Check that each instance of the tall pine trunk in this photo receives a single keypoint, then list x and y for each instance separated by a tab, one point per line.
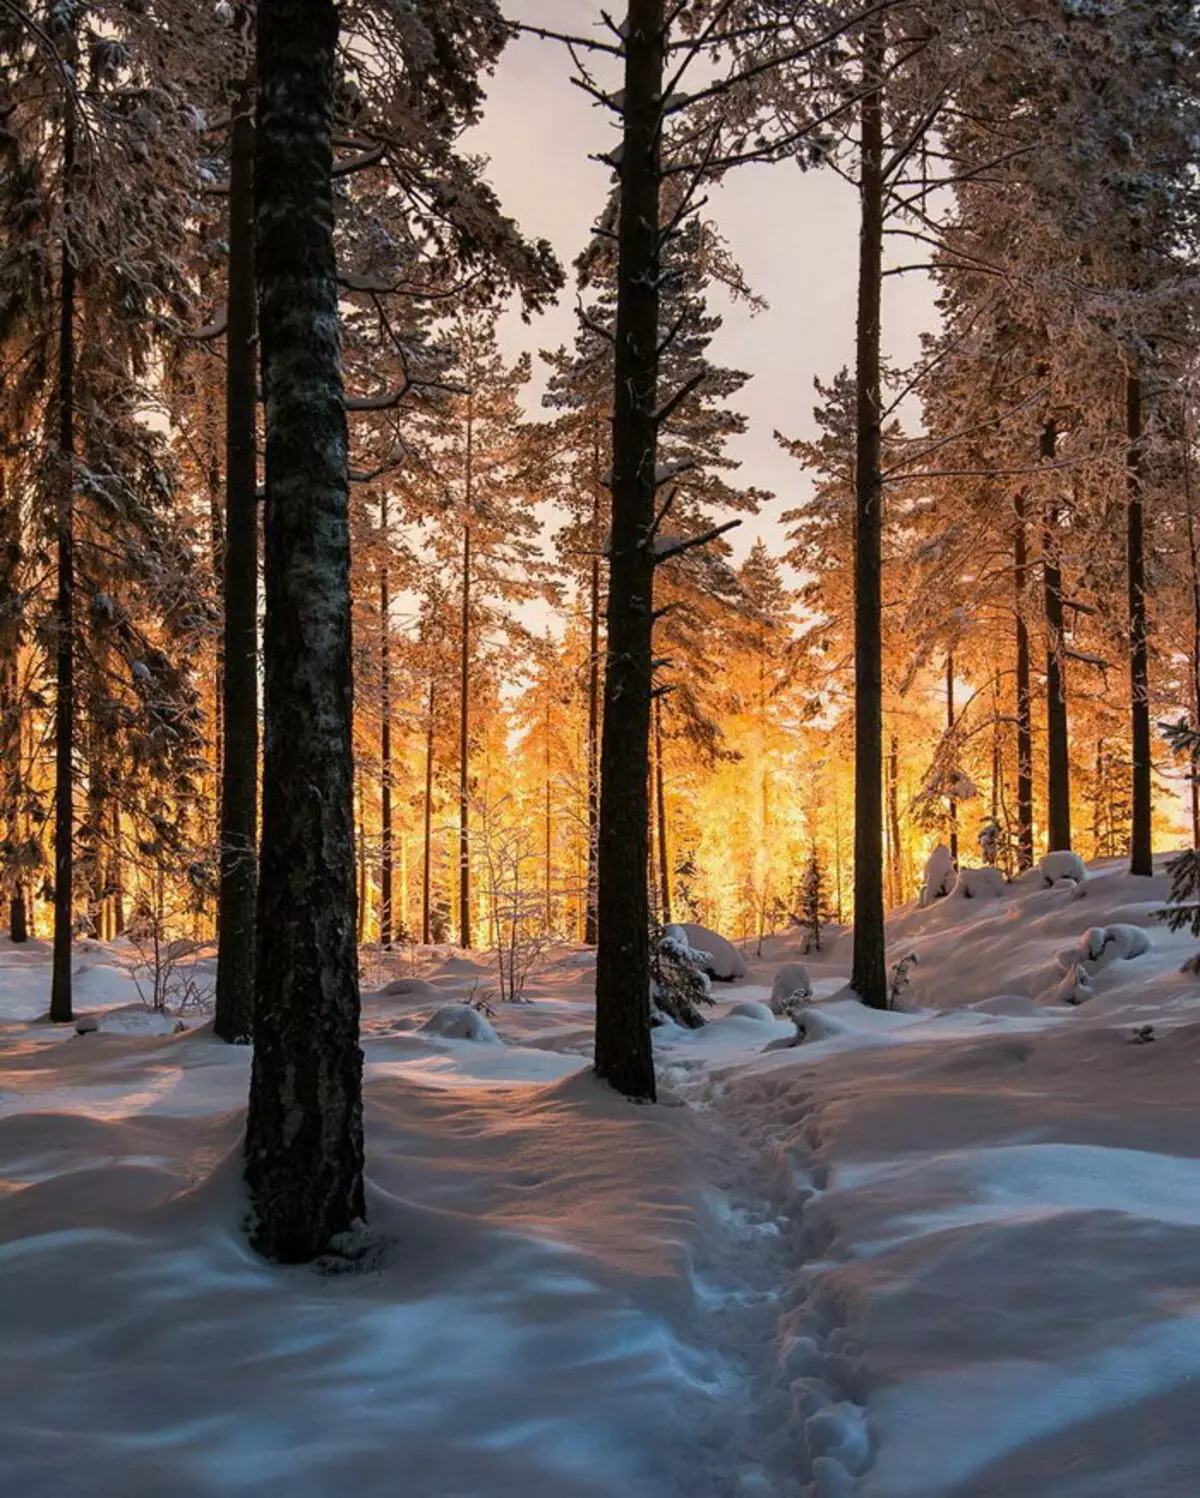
893	813
623	1051
385	734
61	1005
869	976
953	800
304	1142
1140	855
1024	693
427	830
660	802
1058	760
11	715
238	887
464	729
593	727
1194	649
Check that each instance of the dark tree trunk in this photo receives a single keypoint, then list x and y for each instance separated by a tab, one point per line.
1058	791
660	802
238	888
952	809
11	715
548	826
1141	859
385	733
593	785
624	1056
1194	651
464	737
1024	694
869	976
61	1008
304	1142
427	858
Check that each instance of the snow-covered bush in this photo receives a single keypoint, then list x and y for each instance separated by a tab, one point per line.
980	884
791	988
940	876
1076	987
1101	945
679	981
721	959
1056	867
460	1022
901	980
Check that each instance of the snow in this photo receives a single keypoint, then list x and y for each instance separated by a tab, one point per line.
1063	865
940	875
792	986
921	1255
725	961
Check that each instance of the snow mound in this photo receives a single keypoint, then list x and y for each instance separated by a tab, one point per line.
411	988
1056	867
1007	1005
940	876
724	960
749	1009
1076	987
980	884
129	1019
460	1022
791	988
1100	946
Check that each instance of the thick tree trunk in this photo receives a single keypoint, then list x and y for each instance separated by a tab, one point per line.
952	809
1058	760
11	714
238	887
464	733
385	734
1024	694
61	1008
1194	651
869	976
304	1142
1141	859
427	833
623	1051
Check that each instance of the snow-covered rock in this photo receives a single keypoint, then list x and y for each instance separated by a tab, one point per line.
724	960
750	1009
1056	867
128	1019
980	884
411	988
459	1022
940	876
792	988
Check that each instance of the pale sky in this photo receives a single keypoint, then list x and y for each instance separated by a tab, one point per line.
794	234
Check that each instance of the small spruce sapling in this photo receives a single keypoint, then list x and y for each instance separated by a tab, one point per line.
814	903
679	981
1183	909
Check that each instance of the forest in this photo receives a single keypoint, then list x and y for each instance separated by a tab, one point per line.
363	646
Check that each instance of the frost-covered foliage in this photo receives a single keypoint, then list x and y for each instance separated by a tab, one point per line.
791	990
980	884
940	876
1063	865
679	982
1183	912
900	980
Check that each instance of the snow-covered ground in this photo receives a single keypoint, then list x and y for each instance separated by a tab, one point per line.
949	1253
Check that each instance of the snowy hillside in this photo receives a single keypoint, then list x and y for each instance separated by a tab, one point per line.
931	1254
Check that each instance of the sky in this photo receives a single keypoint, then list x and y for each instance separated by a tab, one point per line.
794	234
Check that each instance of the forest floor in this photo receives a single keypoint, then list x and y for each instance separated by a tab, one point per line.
947	1253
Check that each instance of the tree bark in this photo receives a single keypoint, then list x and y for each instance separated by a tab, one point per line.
660	801
427	859
953	806
624	1056
1141	859
385	733
893	810
1024	694
11	714
1058	791
593	785
237	891
61	1006
304	1142
464	734
869	976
